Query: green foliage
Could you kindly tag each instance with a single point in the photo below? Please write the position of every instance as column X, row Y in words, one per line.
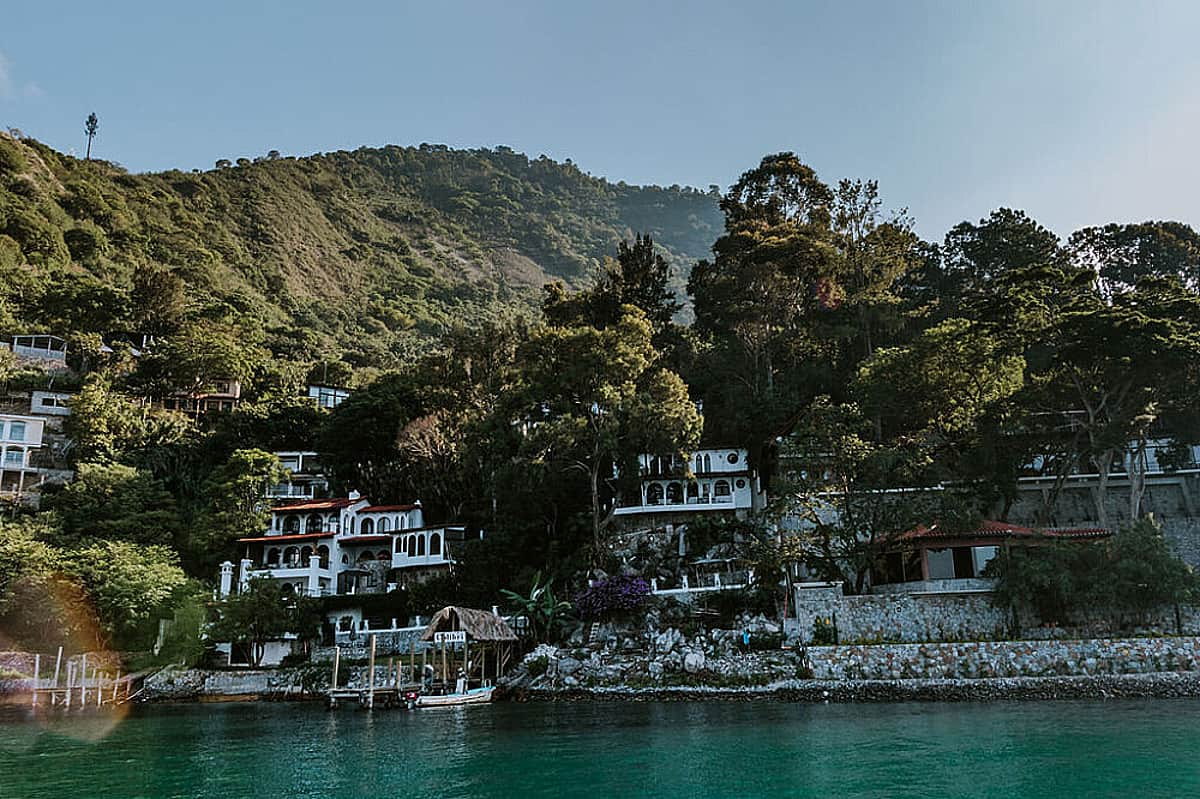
column 232, row 505
column 106, row 425
column 824, row 632
column 1063, row 582
column 115, row 502
column 129, row 585
column 545, row 612
column 262, row 613
column 377, row 251
column 183, row 641
column 942, row 383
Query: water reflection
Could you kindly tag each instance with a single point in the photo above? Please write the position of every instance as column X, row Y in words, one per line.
column 652, row 749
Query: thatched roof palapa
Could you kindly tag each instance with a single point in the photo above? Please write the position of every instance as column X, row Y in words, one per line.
column 480, row 625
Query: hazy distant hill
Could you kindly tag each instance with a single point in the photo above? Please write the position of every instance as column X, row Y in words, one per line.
column 388, row 245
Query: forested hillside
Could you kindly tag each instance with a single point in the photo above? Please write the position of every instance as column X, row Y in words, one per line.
column 373, row 252
column 905, row 381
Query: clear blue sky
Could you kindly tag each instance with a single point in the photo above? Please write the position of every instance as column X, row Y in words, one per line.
column 1078, row 112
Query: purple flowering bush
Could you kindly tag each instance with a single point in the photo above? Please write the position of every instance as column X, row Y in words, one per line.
column 611, row 595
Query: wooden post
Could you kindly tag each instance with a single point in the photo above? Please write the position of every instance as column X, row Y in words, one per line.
column 445, row 668
column 412, row 661
column 70, row 673
column 391, row 666
column 57, row 664
column 371, row 676
column 466, row 667
column 37, row 671
column 116, row 682
column 99, row 683
column 83, row 681
column 483, row 667
column 337, row 657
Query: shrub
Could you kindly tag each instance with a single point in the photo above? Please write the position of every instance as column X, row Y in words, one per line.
column 824, row 632
column 12, row 160
column 612, row 595
column 537, row 667
column 1132, row 572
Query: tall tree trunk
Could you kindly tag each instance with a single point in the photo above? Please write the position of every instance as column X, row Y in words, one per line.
column 1103, row 466
column 1137, row 477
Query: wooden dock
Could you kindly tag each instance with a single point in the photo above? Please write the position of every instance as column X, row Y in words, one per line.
column 78, row 686
column 389, row 693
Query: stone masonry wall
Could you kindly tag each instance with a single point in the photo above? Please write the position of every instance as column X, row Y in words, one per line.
column 947, row 617
column 1005, row 659
column 900, row 617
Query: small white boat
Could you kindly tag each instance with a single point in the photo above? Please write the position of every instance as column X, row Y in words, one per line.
column 475, row 696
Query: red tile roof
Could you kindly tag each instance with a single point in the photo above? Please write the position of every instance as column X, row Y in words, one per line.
column 351, row 540
column 992, row 529
column 315, row 504
column 386, row 508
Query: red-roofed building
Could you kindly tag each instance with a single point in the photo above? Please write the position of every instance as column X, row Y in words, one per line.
column 924, row 558
column 344, row 545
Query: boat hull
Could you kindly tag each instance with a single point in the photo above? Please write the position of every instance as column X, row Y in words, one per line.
column 477, row 696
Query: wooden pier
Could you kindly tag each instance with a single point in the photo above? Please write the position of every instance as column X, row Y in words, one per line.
column 389, row 693
column 78, row 685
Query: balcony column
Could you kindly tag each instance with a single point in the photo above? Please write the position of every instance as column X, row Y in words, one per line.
column 226, row 578
column 314, row 575
column 244, row 574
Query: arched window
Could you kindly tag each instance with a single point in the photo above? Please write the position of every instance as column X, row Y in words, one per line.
column 674, row 494
column 314, row 523
column 721, row 488
column 699, row 464
column 291, row 556
column 272, row 557
column 412, row 546
column 693, row 491
column 383, row 554
column 654, row 494
column 323, row 554
column 291, row 524
column 345, row 559
column 384, row 525
column 399, row 546
column 435, row 544
column 365, row 556
column 708, row 463
column 368, row 526
column 305, row 554
column 350, row 526
column 403, row 522
column 420, row 545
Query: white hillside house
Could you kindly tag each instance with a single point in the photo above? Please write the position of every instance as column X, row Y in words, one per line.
column 709, row 480
column 344, row 545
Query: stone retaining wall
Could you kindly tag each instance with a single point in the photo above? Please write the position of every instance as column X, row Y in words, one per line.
column 900, row 617
column 1002, row 659
column 946, row 617
column 387, row 643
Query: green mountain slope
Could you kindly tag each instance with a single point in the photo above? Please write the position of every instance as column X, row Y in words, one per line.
column 375, row 250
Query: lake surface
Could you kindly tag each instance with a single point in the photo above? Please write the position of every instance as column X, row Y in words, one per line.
column 663, row 750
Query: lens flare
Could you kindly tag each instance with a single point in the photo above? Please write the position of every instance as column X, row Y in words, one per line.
column 42, row 615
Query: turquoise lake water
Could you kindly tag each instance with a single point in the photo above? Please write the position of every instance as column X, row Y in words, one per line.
column 664, row 750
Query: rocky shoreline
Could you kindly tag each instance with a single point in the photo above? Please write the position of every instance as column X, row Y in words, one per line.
column 1165, row 685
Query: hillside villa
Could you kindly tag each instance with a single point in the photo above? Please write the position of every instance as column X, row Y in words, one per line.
column 346, row 545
